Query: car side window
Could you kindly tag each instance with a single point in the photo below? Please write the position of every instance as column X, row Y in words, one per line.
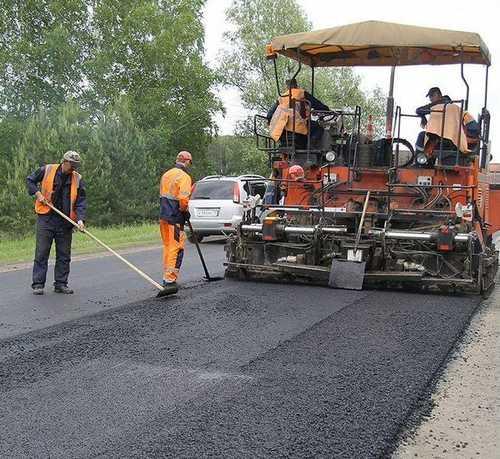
column 258, row 188
column 246, row 188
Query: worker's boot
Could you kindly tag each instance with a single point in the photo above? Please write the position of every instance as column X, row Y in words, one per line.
column 63, row 289
column 37, row 290
column 170, row 287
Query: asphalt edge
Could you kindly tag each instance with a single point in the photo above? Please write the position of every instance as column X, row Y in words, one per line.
column 424, row 405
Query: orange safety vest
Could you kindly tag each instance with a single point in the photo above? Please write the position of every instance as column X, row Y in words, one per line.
column 296, row 192
column 175, row 185
column 283, row 115
column 47, row 188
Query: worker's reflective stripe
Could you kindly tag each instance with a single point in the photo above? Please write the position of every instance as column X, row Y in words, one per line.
column 75, row 183
column 171, row 270
column 48, row 180
column 185, row 193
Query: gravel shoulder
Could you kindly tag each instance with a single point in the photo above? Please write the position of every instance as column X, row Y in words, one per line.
column 462, row 416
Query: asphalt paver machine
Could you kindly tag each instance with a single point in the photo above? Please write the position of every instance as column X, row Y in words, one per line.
column 378, row 213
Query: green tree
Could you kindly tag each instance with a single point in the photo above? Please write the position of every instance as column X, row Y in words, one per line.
column 123, row 82
column 43, row 46
column 45, row 137
column 119, row 170
column 152, row 51
column 16, row 206
column 236, row 155
column 122, row 185
column 244, row 65
column 49, row 133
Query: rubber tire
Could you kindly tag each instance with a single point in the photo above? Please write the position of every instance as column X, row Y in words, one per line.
column 410, row 148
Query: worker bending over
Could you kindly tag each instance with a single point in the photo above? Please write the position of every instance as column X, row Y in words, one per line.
column 62, row 186
column 175, row 191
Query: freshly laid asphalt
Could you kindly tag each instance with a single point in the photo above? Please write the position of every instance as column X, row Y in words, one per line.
column 227, row 369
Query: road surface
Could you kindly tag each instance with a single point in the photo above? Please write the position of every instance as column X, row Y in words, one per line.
column 100, row 282
column 227, row 369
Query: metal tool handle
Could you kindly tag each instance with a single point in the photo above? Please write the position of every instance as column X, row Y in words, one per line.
column 361, row 222
column 198, row 249
column 130, row 265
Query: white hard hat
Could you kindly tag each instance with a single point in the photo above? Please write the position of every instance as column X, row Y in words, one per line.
column 72, row 157
column 184, row 156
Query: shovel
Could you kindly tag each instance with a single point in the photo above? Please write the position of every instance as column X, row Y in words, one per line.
column 208, row 278
column 349, row 274
column 161, row 292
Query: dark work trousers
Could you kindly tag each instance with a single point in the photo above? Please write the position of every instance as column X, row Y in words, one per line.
column 45, row 234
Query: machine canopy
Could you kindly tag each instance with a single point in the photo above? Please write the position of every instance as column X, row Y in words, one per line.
column 376, row 43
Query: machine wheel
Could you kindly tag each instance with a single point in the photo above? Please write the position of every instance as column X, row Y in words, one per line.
column 408, row 145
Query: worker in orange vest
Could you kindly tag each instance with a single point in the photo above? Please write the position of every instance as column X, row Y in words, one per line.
column 175, row 191
column 62, row 186
column 293, row 105
column 297, row 192
column 470, row 126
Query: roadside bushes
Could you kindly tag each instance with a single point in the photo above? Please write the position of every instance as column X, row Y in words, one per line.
column 120, row 175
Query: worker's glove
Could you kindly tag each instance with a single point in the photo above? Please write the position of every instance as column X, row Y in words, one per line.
column 40, row 197
column 81, row 225
column 187, row 215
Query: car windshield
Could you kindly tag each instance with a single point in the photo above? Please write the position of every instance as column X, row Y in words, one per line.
column 213, row 189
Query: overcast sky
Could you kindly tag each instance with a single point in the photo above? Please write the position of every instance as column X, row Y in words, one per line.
column 412, row 83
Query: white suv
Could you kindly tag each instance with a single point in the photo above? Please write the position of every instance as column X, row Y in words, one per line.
column 216, row 199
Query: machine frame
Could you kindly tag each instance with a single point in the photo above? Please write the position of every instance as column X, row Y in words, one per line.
column 376, row 222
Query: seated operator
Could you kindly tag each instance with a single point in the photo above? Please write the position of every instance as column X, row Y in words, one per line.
column 280, row 117
column 455, row 131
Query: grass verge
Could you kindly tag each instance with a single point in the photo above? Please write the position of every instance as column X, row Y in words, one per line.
column 117, row 237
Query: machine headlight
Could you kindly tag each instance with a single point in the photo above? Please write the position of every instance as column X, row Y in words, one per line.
column 331, row 156
column 422, row 159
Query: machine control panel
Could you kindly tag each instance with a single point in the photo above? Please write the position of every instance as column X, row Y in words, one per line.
column 424, row 180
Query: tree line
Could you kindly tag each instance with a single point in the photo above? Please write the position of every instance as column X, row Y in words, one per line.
column 124, row 83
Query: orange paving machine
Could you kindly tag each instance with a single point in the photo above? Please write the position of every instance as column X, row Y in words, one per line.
column 364, row 212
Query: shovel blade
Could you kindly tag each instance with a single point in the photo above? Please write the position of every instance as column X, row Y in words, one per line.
column 347, row 274
column 164, row 293
column 213, row 278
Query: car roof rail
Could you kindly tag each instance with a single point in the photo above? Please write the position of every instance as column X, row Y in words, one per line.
column 250, row 175
column 211, row 177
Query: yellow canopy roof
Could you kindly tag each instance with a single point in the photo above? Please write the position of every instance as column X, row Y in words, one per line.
column 375, row 43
